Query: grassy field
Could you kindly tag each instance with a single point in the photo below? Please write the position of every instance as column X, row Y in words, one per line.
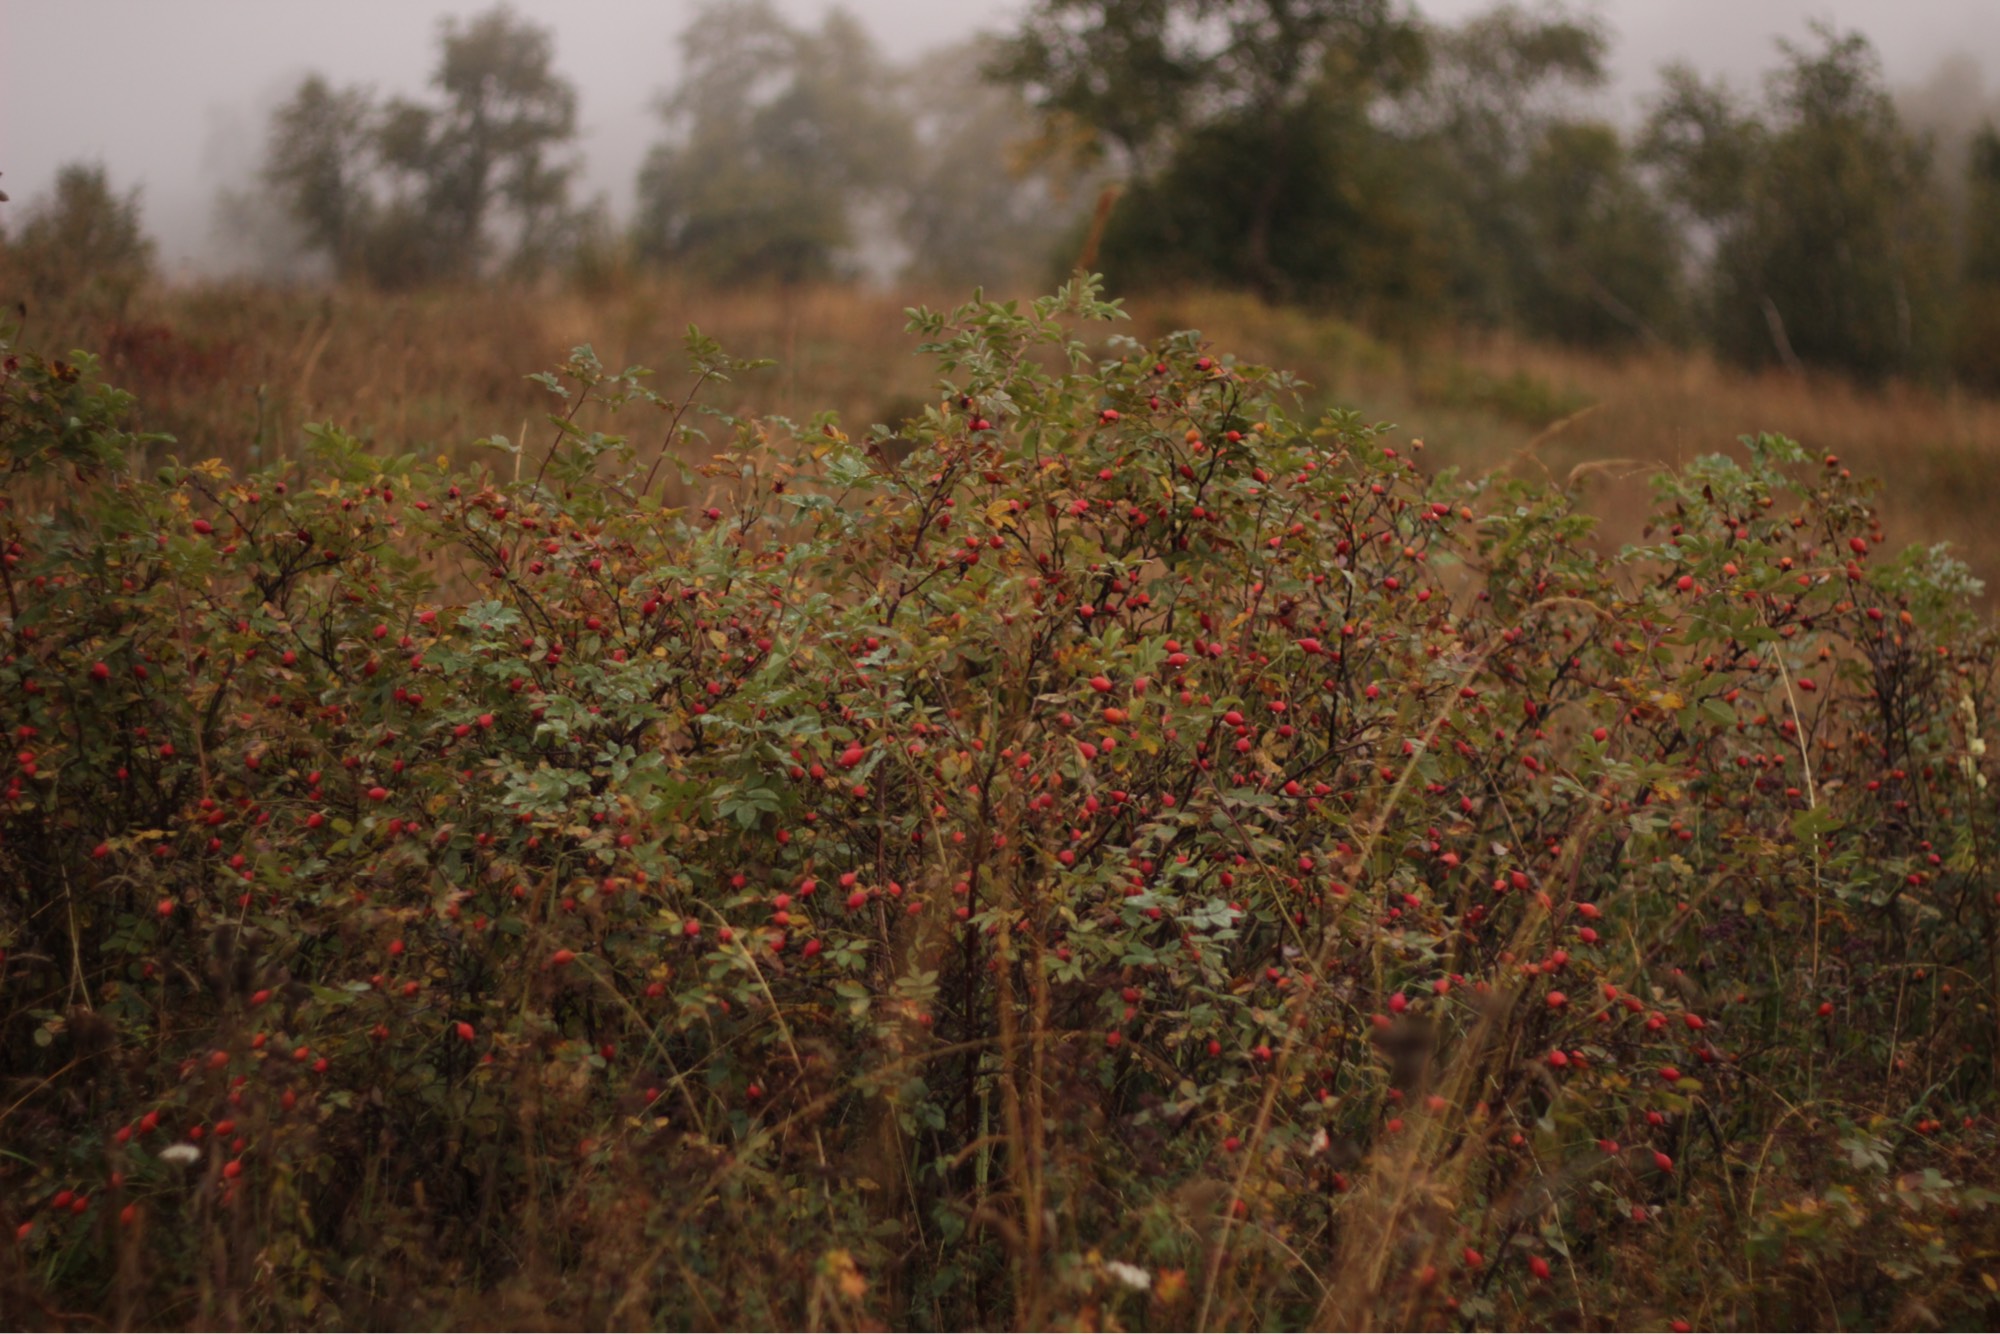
column 1500, row 402
column 234, row 372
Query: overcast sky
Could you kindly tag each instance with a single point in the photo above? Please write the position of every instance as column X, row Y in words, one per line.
column 173, row 94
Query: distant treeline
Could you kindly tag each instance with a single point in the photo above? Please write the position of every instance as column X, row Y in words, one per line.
column 1337, row 153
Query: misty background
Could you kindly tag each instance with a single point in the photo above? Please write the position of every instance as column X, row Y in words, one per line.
column 1605, row 229
column 177, row 98
column 1799, row 186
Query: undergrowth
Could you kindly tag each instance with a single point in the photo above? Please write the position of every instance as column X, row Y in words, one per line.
column 1139, row 860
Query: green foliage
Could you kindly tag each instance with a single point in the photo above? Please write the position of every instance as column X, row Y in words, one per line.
column 490, row 146
column 83, row 242
column 1322, row 222
column 1703, row 143
column 1144, row 73
column 1333, row 154
column 1245, row 131
column 1123, row 69
column 1830, row 247
column 1976, row 350
column 1520, row 397
column 1530, row 207
column 1141, row 857
column 57, row 418
column 316, row 161
column 1604, row 256
column 412, row 192
column 779, row 136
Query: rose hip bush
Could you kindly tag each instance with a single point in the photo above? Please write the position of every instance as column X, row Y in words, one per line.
column 1141, row 858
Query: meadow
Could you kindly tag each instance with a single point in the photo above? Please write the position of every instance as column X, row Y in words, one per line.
column 237, row 371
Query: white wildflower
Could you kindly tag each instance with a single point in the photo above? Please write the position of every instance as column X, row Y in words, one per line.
column 1131, row 1276
column 180, row 1154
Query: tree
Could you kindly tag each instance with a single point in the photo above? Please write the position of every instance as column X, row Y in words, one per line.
column 779, row 138
column 1491, row 120
column 412, row 191
column 1144, row 73
column 489, row 150
column 1602, row 252
column 1334, row 151
column 85, row 240
column 317, row 161
column 1127, row 70
column 1703, row 143
column 1828, row 239
column 1226, row 115
column 1329, row 223
column 1976, row 344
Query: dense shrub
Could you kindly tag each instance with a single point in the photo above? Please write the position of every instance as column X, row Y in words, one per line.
column 1138, row 859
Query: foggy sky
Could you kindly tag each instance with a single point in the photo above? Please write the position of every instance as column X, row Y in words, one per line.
column 175, row 96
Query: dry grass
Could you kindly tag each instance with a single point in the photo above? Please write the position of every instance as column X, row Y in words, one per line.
column 235, row 372
column 1501, row 401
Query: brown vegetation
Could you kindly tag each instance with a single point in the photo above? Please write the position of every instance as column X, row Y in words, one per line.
column 233, row 372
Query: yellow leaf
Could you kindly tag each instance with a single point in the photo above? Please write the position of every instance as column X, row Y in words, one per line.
column 718, row 640
column 847, row 1281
